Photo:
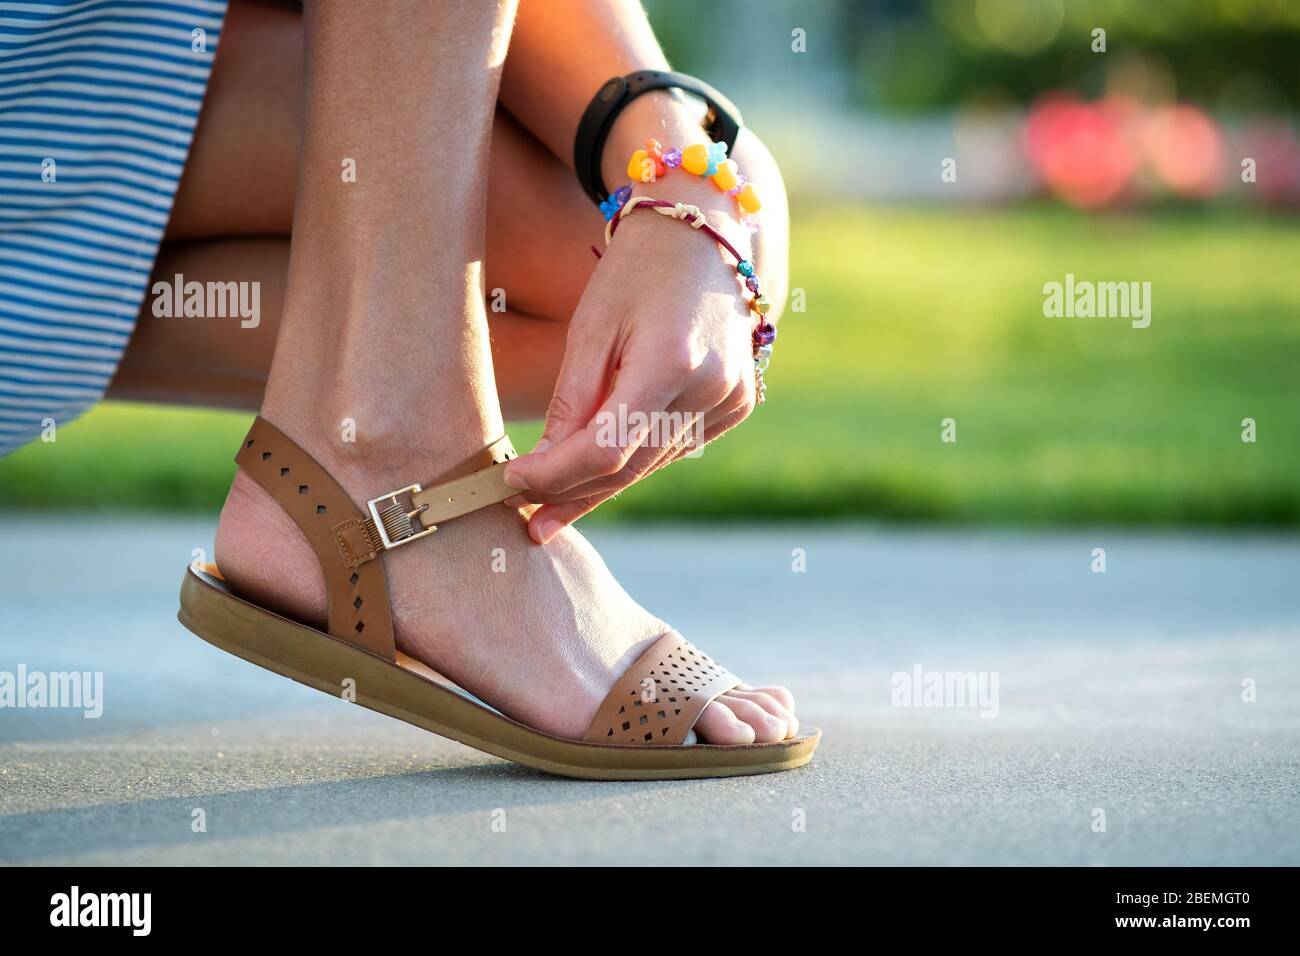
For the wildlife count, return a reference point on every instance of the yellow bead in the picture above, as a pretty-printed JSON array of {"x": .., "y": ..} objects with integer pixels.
[
  {"x": 760, "y": 304},
  {"x": 725, "y": 177},
  {"x": 636, "y": 166},
  {"x": 695, "y": 159},
  {"x": 748, "y": 199}
]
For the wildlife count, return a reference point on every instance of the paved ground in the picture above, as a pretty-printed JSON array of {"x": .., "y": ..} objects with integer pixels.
[{"x": 1118, "y": 692}]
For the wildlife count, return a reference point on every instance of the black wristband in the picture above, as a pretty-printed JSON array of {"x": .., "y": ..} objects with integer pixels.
[{"x": 722, "y": 122}]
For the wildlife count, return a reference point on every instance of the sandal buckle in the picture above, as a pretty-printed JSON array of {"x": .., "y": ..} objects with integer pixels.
[{"x": 394, "y": 523}]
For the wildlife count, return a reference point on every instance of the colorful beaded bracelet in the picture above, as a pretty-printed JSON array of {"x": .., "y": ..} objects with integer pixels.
[
  {"x": 764, "y": 332},
  {"x": 709, "y": 161}
]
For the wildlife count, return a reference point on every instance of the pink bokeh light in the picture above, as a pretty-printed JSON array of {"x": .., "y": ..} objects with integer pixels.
[
  {"x": 1092, "y": 154},
  {"x": 1185, "y": 149},
  {"x": 1086, "y": 153}
]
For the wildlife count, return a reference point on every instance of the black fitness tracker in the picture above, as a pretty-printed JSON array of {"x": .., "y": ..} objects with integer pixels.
[{"x": 722, "y": 122}]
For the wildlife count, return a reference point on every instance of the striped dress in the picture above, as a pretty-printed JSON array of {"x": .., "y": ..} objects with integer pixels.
[{"x": 98, "y": 104}]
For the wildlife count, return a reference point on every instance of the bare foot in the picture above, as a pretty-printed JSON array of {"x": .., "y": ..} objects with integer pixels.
[{"x": 539, "y": 632}]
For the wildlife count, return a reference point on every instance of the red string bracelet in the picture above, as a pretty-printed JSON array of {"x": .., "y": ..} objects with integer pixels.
[
  {"x": 764, "y": 333},
  {"x": 687, "y": 213}
]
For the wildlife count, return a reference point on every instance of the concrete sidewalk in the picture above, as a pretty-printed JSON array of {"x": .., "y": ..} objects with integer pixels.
[{"x": 1119, "y": 692}]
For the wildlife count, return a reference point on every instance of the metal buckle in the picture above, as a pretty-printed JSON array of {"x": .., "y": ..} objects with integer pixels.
[{"x": 394, "y": 522}]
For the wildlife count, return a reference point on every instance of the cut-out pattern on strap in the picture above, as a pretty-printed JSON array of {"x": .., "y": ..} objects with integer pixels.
[
  {"x": 659, "y": 698},
  {"x": 344, "y": 539},
  {"x": 358, "y": 599}
]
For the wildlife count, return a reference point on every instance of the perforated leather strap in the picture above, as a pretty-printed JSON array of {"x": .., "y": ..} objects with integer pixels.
[
  {"x": 346, "y": 540},
  {"x": 659, "y": 698},
  {"x": 405, "y": 514},
  {"x": 358, "y": 598}
]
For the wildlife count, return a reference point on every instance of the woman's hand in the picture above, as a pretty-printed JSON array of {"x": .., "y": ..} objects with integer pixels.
[{"x": 659, "y": 359}]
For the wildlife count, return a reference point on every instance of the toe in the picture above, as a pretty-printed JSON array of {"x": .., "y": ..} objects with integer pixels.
[
  {"x": 719, "y": 725},
  {"x": 772, "y": 705},
  {"x": 783, "y": 696},
  {"x": 767, "y": 729}
]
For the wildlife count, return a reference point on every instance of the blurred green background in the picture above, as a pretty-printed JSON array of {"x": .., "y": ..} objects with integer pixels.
[
  {"x": 921, "y": 308},
  {"x": 913, "y": 317}
]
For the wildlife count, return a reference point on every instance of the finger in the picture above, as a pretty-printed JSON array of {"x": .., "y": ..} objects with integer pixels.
[
  {"x": 659, "y": 449},
  {"x": 559, "y": 511},
  {"x": 604, "y": 446},
  {"x": 734, "y": 409},
  {"x": 717, "y": 429},
  {"x": 549, "y": 520},
  {"x": 738, "y": 407},
  {"x": 716, "y": 424}
]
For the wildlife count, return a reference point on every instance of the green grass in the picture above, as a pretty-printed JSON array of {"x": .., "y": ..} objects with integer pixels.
[{"x": 913, "y": 317}]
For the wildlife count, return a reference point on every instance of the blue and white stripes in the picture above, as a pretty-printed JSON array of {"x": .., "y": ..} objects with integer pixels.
[{"x": 98, "y": 103}]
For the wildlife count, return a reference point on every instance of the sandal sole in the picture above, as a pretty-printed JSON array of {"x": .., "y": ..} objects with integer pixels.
[{"x": 212, "y": 611}]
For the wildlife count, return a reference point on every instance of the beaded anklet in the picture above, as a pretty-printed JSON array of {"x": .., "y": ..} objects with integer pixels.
[{"x": 764, "y": 332}]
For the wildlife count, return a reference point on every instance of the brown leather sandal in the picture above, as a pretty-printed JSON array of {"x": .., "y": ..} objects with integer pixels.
[{"x": 641, "y": 729}]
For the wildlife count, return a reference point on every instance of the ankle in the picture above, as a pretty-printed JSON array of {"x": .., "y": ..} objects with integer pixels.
[
  {"x": 382, "y": 411},
  {"x": 370, "y": 450}
]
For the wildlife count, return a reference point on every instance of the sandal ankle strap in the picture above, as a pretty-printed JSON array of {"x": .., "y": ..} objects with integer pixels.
[
  {"x": 407, "y": 514},
  {"x": 346, "y": 540}
]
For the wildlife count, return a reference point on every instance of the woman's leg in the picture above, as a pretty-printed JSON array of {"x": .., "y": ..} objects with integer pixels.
[
  {"x": 242, "y": 168},
  {"x": 218, "y": 363},
  {"x": 239, "y": 182},
  {"x": 384, "y": 326}
]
